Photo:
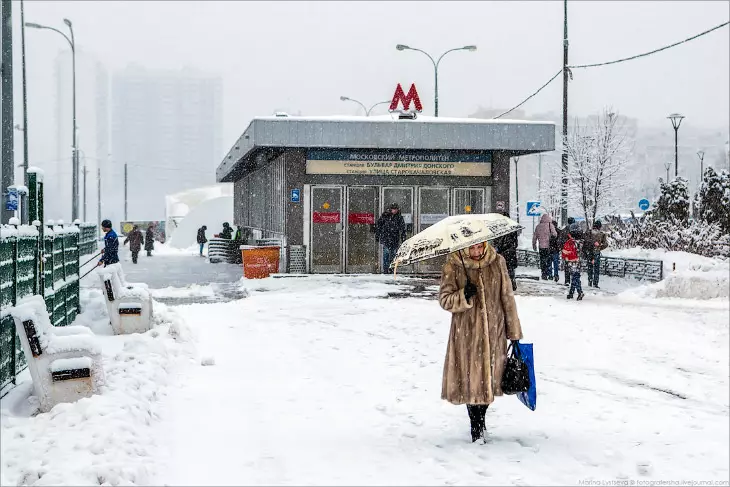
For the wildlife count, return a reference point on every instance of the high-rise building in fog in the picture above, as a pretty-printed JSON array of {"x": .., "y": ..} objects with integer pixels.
[
  {"x": 92, "y": 121},
  {"x": 167, "y": 127}
]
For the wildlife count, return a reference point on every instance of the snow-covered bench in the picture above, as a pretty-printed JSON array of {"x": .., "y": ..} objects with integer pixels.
[
  {"x": 64, "y": 362},
  {"x": 129, "y": 304}
]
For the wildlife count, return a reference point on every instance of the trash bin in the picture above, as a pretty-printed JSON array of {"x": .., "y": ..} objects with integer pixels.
[{"x": 259, "y": 262}]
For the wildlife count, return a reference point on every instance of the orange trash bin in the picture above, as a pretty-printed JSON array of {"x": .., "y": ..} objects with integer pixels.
[{"x": 259, "y": 262}]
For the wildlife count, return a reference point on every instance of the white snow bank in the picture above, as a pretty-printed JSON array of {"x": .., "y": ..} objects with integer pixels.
[
  {"x": 7, "y": 231},
  {"x": 211, "y": 213},
  {"x": 107, "y": 439},
  {"x": 194, "y": 290},
  {"x": 71, "y": 364}
]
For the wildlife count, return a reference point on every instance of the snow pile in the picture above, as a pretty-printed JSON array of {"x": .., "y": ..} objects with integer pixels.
[
  {"x": 7, "y": 231},
  {"x": 191, "y": 291},
  {"x": 107, "y": 439},
  {"x": 211, "y": 213},
  {"x": 686, "y": 275}
]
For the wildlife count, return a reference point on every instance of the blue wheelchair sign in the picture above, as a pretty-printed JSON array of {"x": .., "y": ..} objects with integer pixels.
[
  {"x": 295, "y": 196},
  {"x": 643, "y": 204},
  {"x": 533, "y": 208}
]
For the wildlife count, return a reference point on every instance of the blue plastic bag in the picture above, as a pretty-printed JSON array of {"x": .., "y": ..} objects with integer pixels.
[{"x": 528, "y": 398}]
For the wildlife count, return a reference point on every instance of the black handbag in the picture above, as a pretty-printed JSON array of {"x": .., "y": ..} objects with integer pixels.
[{"x": 516, "y": 376}]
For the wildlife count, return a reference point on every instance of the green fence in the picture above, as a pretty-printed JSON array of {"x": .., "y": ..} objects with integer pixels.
[{"x": 23, "y": 273}]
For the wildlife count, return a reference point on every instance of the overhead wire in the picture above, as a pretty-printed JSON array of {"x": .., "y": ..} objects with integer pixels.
[{"x": 582, "y": 66}]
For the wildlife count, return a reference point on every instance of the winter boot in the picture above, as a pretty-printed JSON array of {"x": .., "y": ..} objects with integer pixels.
[
  {"x": 557, "y": 279},
  {"x": 514, "y": 284},
  {"x": 570, "y": 296},
  {"x": 580, "y": 297}
]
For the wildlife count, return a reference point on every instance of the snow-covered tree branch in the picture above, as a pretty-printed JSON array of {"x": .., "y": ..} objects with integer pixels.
[{"x": 598, "y": 153}]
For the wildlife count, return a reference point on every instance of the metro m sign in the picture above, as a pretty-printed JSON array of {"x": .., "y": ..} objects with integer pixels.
[{"x": 400, "y": 96}]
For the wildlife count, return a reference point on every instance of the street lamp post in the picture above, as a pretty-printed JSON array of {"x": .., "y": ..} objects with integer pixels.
[
  {"x": 701, "y": 155},
  {"x": 676, "y": 119},
  {"x": 367, "y": 110},
  {"x": 403, "y": 47},
  {"x": 75, "y": 156},
  {"x": 517, "y": 188},
  {"x": 667, "y": 165}
]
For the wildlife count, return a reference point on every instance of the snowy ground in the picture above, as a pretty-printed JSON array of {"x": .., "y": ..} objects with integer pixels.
[{"x": 336, "y": 380}]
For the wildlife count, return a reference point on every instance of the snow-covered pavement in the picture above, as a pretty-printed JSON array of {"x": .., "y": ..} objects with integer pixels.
[{"x": 336, "y": 380}]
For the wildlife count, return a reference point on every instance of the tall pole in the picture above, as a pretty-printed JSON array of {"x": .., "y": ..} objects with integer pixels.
[
  {"x": 564, "y": 185},
  {"x": 98, "y": 201},
  {"x": 75, "y": 177},
  {"x": 701, "y": 155},
  {"x": 676, "y": 156},
  {"x": 84, "y": 172},
  {"x": 436, "y": 90},
  {"x": 517, "y": 189},
  {"x": 25, "y": 96},
  {"x": 125, "y": 191},
  {"x": 8, "y": 166}
]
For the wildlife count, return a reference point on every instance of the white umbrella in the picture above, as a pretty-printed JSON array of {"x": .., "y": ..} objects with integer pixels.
[{"x": 451, "y": 234}]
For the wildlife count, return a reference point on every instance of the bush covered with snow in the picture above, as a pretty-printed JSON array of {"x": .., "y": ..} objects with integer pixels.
[
  {"x": 712, "y": 201},
  {"x": 673, "y": 202}
]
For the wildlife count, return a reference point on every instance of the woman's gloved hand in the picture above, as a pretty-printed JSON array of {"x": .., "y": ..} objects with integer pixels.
[{"x": 470, "y": 290}]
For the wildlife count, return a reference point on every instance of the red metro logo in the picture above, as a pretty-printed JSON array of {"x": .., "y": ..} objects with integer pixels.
[{"x": 406, "y": 100}]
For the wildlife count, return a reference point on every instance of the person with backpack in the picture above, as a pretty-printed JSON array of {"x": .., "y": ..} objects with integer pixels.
[
  {"x": 543, "y": 232},
  {"x": 595, "y": 242},
  {"x": 572, "y": 263},
  {"x": 571, "y": 228},
  {"x": 201, "y": 238}
]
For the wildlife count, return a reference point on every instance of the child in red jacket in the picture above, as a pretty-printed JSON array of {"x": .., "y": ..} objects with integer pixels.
[{"x": 570, "y": 254}]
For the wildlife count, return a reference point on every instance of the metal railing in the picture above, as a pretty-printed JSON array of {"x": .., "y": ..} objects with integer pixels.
[{"x": 650, "y": 270}]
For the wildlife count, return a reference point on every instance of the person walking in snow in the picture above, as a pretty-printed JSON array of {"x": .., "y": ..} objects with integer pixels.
[
  {"x": 476, "y": 289},
  {"x": 201, "y": 238},
  {"x": 594, "y": 243},
  {"x": 135, "y": 239},
  {"x": 390, "y": 231},
  {"x": 543, "y": 231},
  {"x": 572, "y": 263},
  {"x": 506, "y": 246},
  {"x": 149, "y": 240},
  {"x": 555, "y": 249},
  {"x": 110, "y": 253}
]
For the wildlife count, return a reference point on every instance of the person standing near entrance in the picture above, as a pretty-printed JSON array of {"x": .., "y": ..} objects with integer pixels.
[
  {"x": 149, "y": 240},
  {"x": 110, "y": 254},
  {"x": 390, "y": 231},
  {"x": 201, "y": 238},
  {"x": 135, "y": 239},
  {"x": 543, "y": 231}
]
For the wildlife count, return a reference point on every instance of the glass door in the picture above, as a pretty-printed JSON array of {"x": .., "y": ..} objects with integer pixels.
[
  {"x": 403, "y": 197},
  {"x": 468, "y": 201},
  {"x": 327, "y": 230},
  {"x": 433, "y": 206},
  {"x": 361, "y": 251}
]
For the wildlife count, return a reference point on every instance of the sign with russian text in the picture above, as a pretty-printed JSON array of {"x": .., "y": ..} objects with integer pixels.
[
  {"x": 361, "y": 219},
  {"x": 399, "y": 163},
  {"x": 326, "y": 217}
]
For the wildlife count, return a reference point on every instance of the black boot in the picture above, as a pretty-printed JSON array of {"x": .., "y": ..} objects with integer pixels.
[{"x": 477, "y": 414}]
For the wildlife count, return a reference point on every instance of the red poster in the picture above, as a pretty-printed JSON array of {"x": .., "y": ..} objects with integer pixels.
[
  {"x": 361, "y": 218},
  {"x": 326, "y": 217}
]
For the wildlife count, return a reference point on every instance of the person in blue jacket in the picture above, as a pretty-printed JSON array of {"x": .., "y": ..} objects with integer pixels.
[{"x": 110, "y": 254}]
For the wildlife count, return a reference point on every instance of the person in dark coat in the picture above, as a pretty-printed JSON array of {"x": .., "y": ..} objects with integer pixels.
[
  {"x": 390, "y": 231},
  {"x": 135, "y": 240},
  {"x": 506, "y": 246},
  {"x": 593, "y": 244},
  {"x": 149, "y": 240},
  {"x": 227, "y": 232},
  {"x": 555, "y": 251},
  {"x": 201, "y": 238},
  {"x": 110, "y": 254}
]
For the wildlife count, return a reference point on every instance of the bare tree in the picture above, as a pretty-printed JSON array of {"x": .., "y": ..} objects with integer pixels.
[
  {"x": 549, "y": 193},
  {"x": 598, "y": 151}
]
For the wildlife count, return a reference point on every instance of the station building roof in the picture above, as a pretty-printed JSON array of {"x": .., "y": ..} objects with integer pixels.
[{"x": 385, "y": 132}]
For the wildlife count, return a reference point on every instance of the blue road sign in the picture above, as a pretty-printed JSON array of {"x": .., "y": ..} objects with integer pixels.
[
  {"x": 533, "y": 208},
  {"x": 11, "y": 202},
  {"x": 295, "y": 196},
  {"x": 643, "y": 204}
]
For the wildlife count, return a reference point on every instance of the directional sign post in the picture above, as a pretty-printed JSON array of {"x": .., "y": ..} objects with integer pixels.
[
  {"x": 11, "y": 201},
  {"x": 643, "y": 204},
  {"x": 533, "y": 208},
  {"x": 295, "y": 196}
]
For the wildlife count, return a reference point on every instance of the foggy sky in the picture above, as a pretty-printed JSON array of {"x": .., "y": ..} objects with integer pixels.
[{"x": 301, "y": 56}]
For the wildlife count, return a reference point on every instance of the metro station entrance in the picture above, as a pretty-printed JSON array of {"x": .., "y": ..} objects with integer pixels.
[{"x": 342, "y": 222}]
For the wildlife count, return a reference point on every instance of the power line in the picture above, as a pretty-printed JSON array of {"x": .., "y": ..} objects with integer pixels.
[
  {"x": 528, "y": 98},
  {"x": 650, "y": 52},
  {"x": 611, "y": 62}
]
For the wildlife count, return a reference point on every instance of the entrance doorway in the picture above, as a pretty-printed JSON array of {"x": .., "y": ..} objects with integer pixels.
[
  {"x": 362, "y": 249},
  {"x": 433, "y": 206},
  {"x": 326, "y": 238}
]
